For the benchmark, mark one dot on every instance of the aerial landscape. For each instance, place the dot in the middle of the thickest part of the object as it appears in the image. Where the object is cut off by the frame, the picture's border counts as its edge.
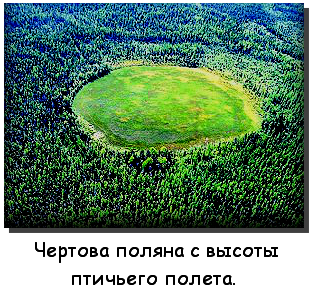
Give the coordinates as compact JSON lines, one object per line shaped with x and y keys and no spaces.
{"x":154,"y":115}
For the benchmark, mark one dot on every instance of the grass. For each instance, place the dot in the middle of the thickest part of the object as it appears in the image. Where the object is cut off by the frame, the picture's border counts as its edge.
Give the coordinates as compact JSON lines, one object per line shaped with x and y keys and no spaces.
{"x":143,"y":106}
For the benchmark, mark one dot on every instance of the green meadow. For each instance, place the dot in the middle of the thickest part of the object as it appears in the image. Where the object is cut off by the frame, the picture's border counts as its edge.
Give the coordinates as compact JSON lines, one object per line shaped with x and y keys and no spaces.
{"x":144,"y":106}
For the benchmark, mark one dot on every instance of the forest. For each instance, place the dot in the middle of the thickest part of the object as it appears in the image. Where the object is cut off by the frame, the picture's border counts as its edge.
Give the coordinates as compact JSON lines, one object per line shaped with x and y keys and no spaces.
{"x":57,"y":175}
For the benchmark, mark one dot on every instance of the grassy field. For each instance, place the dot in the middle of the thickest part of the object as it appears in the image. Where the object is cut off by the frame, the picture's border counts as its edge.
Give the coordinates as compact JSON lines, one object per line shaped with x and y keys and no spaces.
{"x":143,"y":106}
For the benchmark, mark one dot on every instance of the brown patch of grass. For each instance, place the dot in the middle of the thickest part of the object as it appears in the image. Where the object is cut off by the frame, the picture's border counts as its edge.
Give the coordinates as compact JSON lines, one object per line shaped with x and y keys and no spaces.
{"x":124,"y":119}
{"x":195,"y":109}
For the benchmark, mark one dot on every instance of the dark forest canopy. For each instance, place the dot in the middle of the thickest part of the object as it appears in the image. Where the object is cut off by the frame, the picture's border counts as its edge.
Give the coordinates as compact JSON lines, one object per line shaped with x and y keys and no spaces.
{"x":57,"y":176}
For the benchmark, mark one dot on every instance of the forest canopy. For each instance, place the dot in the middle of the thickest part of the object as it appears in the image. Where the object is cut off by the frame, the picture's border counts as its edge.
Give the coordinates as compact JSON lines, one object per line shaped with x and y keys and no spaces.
{"x":56,"y":175}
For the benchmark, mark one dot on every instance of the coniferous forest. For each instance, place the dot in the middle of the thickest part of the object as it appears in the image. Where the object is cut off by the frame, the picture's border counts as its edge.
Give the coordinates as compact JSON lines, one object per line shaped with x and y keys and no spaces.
{"x":57,"y":175}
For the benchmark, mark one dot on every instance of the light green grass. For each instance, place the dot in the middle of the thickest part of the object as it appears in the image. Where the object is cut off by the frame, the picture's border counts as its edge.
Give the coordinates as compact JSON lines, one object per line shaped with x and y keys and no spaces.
{"x":143,"y":106}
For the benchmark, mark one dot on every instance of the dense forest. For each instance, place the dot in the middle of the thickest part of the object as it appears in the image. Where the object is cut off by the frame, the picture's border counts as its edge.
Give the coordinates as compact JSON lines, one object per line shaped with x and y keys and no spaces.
{"x":56,"y":175}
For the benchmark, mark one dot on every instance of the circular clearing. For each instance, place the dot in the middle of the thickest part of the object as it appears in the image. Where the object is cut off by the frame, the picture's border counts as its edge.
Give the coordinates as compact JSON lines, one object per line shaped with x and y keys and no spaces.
{"x":143,"y":106}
